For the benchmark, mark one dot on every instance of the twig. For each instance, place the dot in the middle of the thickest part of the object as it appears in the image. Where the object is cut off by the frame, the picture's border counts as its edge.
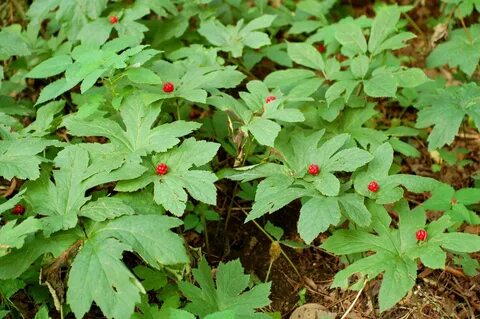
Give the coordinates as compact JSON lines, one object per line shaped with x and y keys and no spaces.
{"x":354,"y":301}
{"x":11,"y":188}
{"x":454,"y":271}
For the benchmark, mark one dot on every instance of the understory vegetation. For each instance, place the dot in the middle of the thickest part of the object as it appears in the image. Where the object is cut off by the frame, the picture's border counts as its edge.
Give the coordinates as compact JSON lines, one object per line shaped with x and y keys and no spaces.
{"x":227,"y":159}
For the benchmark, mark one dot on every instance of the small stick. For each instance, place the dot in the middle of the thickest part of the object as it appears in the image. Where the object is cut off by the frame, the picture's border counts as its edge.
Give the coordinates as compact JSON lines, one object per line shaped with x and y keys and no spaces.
{"x":354,"y":301}
{"x":11,"y":188}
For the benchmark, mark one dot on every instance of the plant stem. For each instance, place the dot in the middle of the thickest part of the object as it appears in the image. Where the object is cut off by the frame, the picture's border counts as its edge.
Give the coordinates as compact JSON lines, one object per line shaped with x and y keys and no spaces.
{"x":269,"y":268}
{"x":273,"y":240}
{"x":469,"y":35}
{"x":414,"y":24}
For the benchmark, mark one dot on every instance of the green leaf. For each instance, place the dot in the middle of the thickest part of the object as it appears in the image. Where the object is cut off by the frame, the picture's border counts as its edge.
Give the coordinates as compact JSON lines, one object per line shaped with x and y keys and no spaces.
{"x":264,"y":131}
{"x":396,"y":42}
{"x":42,"y":313}
{"x":13,"y":236}
{"x":273,"y":193}
{"x":19,"y":260}
{"x":138,"y":115}
{"x":44,"y":118}
{"x":105,"y":208}
{"x":53,"y":66}
{"x":327,"y":184}
{"x":261,"y":22}
{"x":12,"y":43}
{"x":54,"y":89}
{"x":359,"y":66}
{"x":446,"y":109}
{"x":228,"y":294}
{"x":316,"y":215}
{"x":383,"y":25}
{"x":468,"y":196}
{"x":396,"y":250}
{"x":459,"y":50}
{"x":149,"y":236}
{"x":305,"y":54}
{"x":152,"y":279}
{"x":234,"y":38}
{"x":80,"y":168}
{"x":411,"y":77}
{"x":355,"y":210}
{"x":351,"y":241}
{"x":382,"y":84}
{"x":225,"y":315}
{"x":351,"y":38}
{"x":169,"y":193}
{"x":143,"y":75}
{"x":398,"y":280}
{"x":18,"y":158}
{"x":169,"y":188}
{"x":348,"y":160}
{"x":98,"y":275}
{"x":460,"y":242}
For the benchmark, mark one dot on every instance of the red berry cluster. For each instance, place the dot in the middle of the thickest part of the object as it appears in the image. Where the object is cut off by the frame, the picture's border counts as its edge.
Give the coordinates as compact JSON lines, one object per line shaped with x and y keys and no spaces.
{"x":113,"y":19}
{"x":373,"y":186}
{"x":18,"y":210}
{"x":270,"y":99}
{"x":321,"y":48}
{"x":421,"y":234}
{"x":313,"y":169}
{"x":162,"y":169}
{"x":168,"y":87}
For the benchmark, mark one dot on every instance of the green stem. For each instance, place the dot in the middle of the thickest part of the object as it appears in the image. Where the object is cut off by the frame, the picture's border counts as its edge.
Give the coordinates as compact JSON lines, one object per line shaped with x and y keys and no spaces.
{"x":269,"y":269}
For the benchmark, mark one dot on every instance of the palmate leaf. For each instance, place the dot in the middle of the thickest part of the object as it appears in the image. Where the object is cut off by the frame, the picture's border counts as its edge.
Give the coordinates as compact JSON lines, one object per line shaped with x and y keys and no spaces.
{"x":299,"y":151}
{"x":193,"y":80}
{"x":446,"y":110}
{"x":234,"y":38}
{"x":324,"y":204}
{"x":454,"y":203}
{"x":19,"y":157}
{"x":390,"y":190}
{"x":396,"y":250}
{"x":169,"y":189}
{"x":227,"y":293}
{"x":459,"y":50}
{"x":90,"y":63}
{"x":18,"y":261}
{"x":105,"y":208}
{"x":13,"y":236}
{"x":354,"y":121}
{"x":80,"y":168}
{"x":138,"y":113}
{"x":98,"y":273}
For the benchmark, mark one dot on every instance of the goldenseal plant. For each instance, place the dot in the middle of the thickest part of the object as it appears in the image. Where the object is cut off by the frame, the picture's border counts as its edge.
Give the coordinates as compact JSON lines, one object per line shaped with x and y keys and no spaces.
{"x":126,"y":126}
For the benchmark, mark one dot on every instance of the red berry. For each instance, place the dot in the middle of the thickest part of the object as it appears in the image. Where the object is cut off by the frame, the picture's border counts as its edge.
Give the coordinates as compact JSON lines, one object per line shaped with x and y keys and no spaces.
{"x":373,"y":186}
{"x":270,"y":99}
{"x":18,"y":210}
{"x":421,"y":234}
{"x":168,"y":87}
{"x":321,"y":48}
{"x":313,"y":169}
{"x":113,"y":19}
{"x":162,"y":169}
